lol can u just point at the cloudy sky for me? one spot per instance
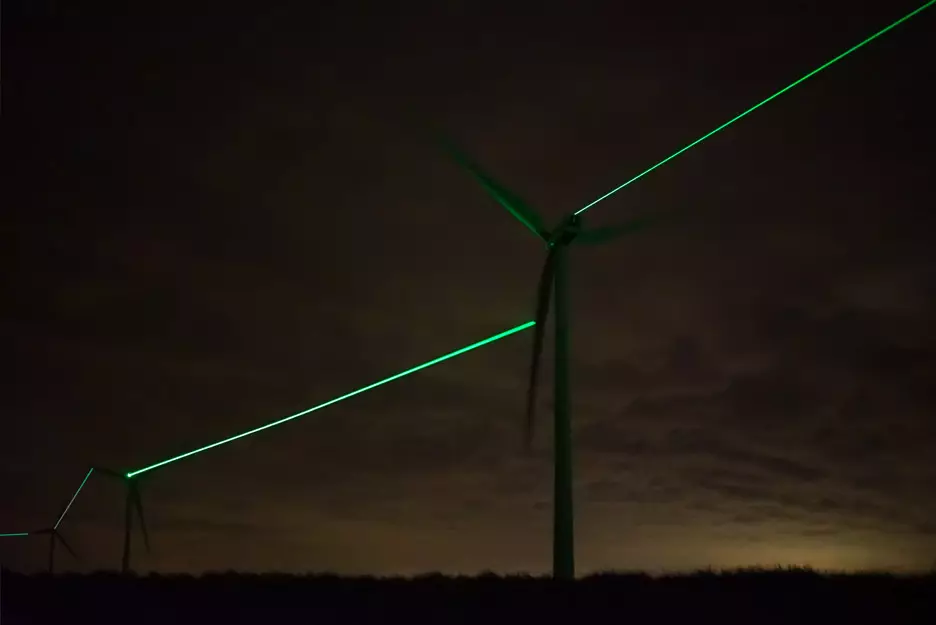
(213, 221)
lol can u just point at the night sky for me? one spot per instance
(215, 220)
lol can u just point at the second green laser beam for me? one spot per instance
(363, 389)
(65, 511)
(14, 534)
(760, 104)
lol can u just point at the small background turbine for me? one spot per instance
(55, 535)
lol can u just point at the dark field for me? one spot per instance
(750, 597)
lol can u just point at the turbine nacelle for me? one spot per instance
(566, 232)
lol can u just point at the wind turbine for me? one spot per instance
(554, 278)
(53, 532)
(55, 535)
(553, 287)
(133, 502)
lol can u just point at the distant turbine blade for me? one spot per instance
(542, 314)
(516, 206)
(65, 544)
(109, 472)
(138, 504)
(597, 236)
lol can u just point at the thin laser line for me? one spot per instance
(761, 103)
(65, 511)
(14, 534)
(435, 361)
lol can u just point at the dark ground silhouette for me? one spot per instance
(752, 597)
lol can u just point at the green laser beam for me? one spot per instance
(760, 104)
(425, 365)
(14, 534)
(75, 496)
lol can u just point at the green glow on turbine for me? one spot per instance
(760, 104)
(75, 496)
(14, 534)
(363, 389)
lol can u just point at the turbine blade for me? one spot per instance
(539, 332)
(598, 236)
(65, 544)
(109, 472)
(138, 504)
(522, 211)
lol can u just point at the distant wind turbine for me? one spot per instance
(553, 286)
(55, 535)
(133, 503)
(61, 516)
(53, 532)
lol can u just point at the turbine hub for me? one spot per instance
(566, 231)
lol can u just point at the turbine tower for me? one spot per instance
(553, 287)
(133, 503)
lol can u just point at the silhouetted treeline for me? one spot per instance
(752, 597)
